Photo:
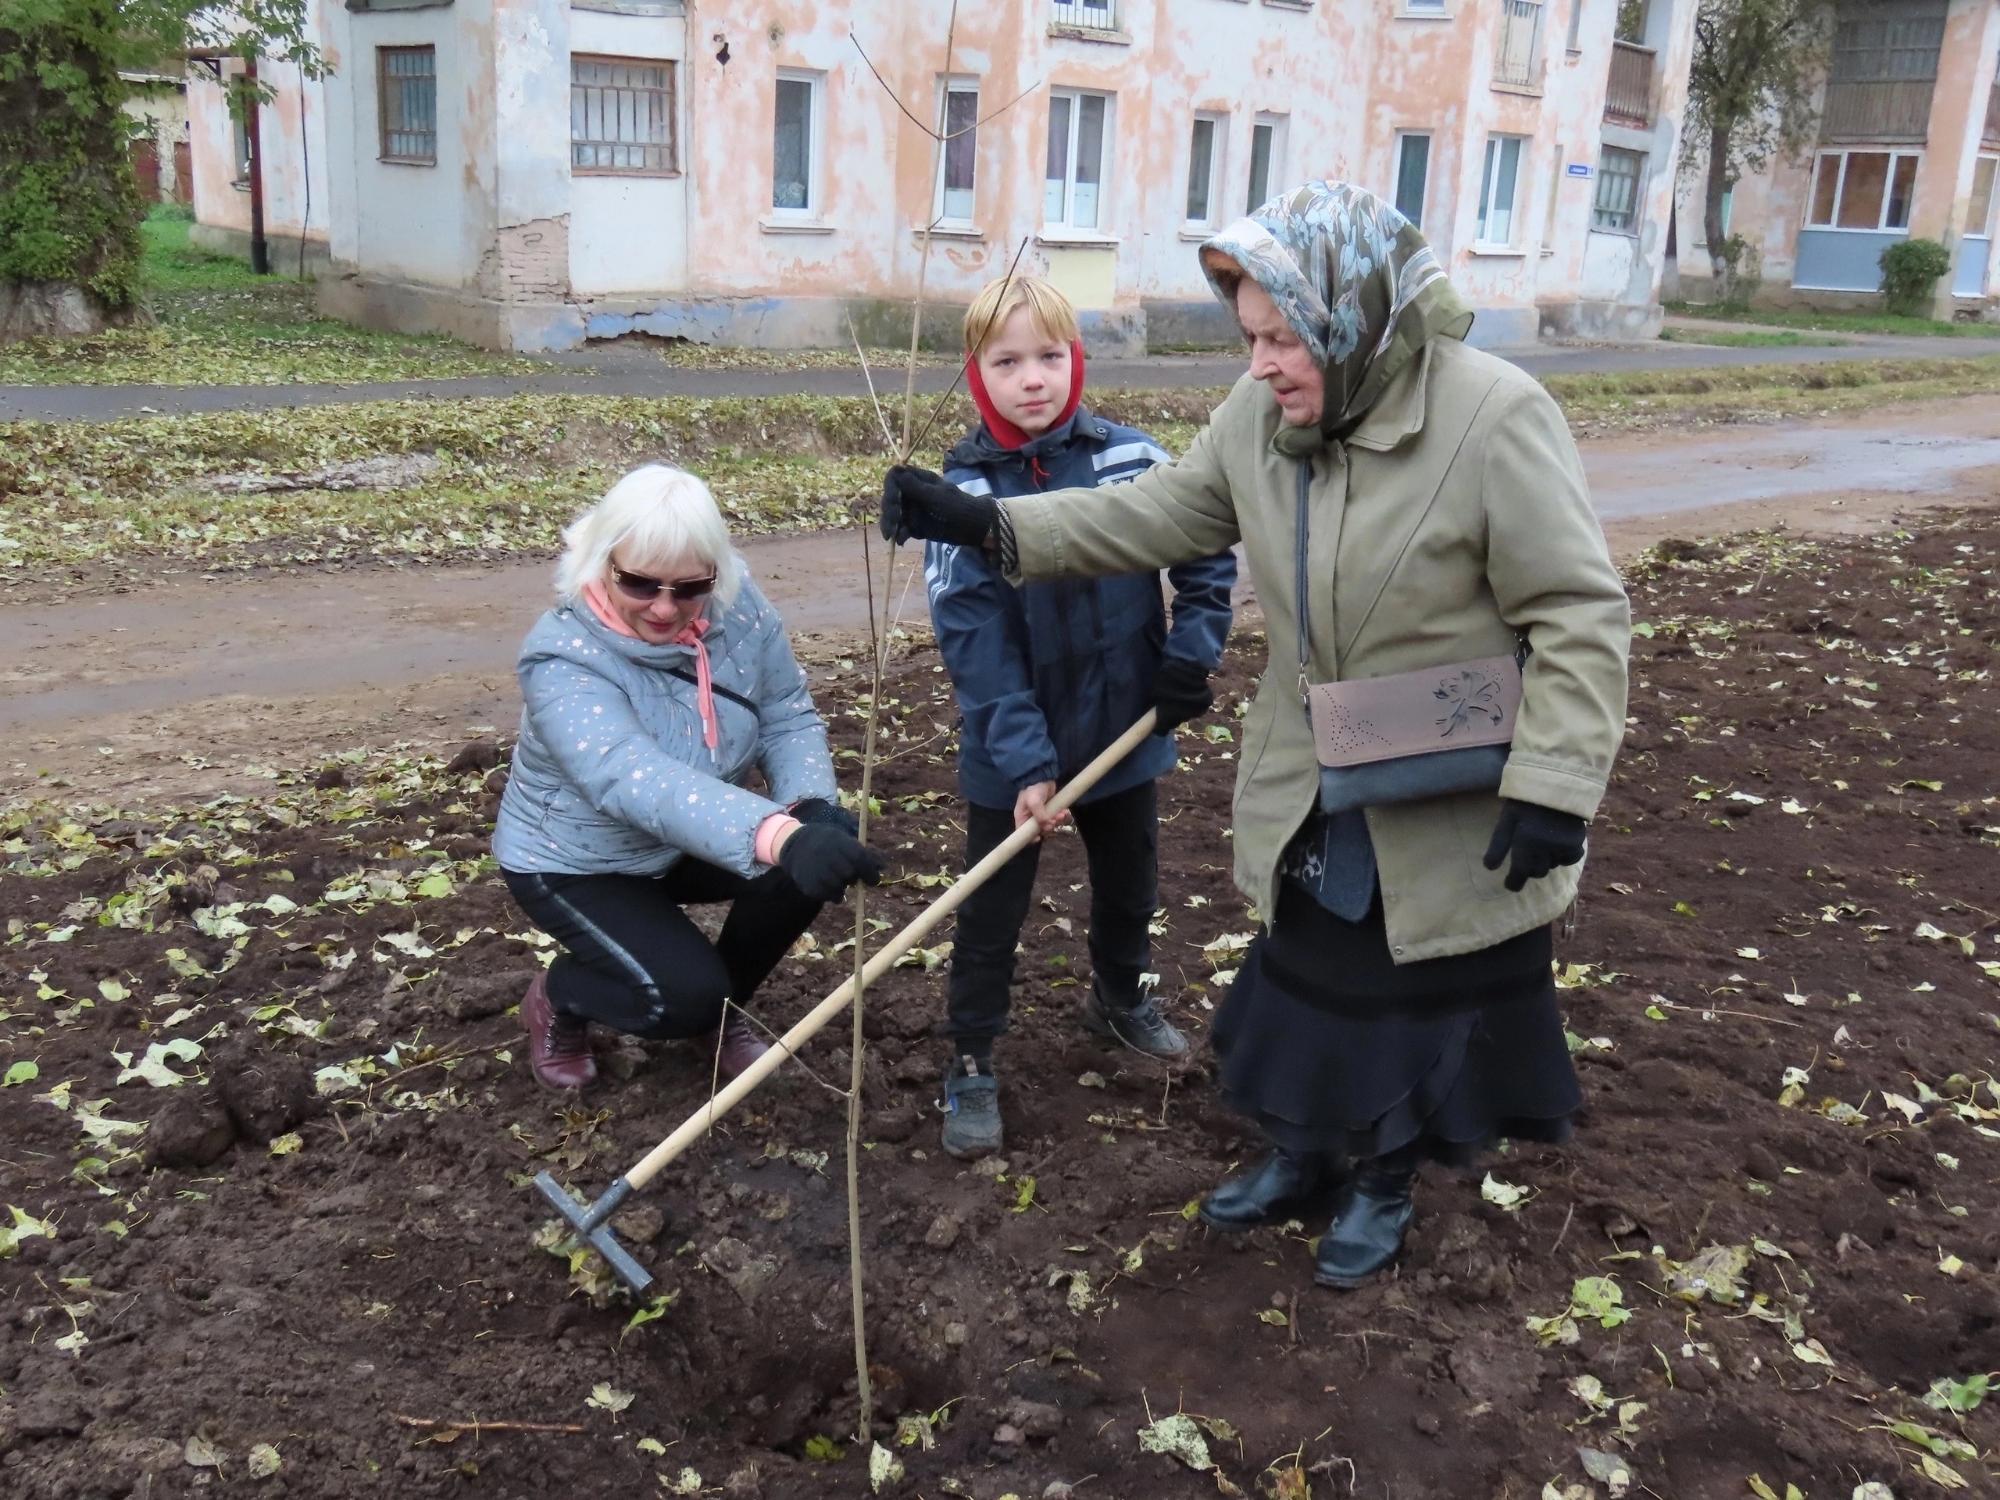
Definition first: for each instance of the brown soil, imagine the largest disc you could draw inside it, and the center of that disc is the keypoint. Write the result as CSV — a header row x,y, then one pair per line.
x,y
302,1268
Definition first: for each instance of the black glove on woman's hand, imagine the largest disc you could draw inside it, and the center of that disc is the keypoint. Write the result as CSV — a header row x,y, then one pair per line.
x,y
916,503
1180,692
822,862
1539,838
831,814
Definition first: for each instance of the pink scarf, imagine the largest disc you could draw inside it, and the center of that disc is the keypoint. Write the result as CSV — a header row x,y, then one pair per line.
x,y
600,605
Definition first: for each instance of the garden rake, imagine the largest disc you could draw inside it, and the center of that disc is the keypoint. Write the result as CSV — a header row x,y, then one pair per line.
x,y
592,1221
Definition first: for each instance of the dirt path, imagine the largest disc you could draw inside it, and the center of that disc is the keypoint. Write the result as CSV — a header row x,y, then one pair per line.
x,y
136,694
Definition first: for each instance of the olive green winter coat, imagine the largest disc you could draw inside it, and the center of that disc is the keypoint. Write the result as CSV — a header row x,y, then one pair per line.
x,y
1454,516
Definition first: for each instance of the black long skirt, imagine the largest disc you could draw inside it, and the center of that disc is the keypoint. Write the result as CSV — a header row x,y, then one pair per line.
x,y
1332,1047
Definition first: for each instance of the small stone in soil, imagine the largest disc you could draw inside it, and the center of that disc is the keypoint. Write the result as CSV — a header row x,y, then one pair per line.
x,y
955,1335
1034,1419
990,1166
943,1233
1428,1424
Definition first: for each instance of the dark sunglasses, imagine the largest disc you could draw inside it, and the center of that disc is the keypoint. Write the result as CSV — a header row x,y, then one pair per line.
x,y
639,586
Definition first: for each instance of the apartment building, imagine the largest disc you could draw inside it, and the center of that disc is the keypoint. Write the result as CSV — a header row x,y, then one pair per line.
x,y
535,174
1908,145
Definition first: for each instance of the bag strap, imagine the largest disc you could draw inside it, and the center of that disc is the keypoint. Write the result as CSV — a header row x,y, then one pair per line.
x,y
720,691
1301,601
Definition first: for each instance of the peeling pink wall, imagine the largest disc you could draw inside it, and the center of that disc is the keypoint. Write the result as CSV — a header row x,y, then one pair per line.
x,y
292,156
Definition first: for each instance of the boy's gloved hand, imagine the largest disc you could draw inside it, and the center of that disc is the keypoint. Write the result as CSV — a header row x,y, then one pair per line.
x,y
832,814
1180,692
823,861
1539,838
916,503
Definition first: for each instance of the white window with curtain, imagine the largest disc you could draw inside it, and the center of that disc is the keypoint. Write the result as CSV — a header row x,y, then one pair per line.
x,y
1869,191
1205,159
1621,175
1267,160
1499,192
1413,170
952,207
795,145
1073,184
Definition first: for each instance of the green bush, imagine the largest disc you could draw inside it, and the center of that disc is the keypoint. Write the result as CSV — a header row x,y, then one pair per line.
x,y
1910,272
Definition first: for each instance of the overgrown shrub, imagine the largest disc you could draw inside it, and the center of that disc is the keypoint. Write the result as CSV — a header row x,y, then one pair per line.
x,y
1910,272
1742,274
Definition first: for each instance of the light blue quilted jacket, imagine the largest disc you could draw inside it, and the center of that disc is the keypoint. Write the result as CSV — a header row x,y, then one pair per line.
x,y
610,775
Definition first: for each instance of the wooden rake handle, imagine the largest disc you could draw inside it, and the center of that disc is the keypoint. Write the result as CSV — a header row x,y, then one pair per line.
x,y
699,1123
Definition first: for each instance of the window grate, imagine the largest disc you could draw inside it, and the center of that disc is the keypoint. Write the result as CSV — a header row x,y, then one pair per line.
x,y
621,117
406,84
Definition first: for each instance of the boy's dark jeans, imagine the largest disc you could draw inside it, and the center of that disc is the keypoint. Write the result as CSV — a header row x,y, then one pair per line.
x,y
634,961
1121,840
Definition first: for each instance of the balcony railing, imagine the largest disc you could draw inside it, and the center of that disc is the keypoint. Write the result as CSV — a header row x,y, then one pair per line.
x,y
1878,112
1517,58
1628,96
1085,15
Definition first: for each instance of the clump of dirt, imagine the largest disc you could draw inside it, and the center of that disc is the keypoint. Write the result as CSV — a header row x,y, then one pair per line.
x,y
1771,1250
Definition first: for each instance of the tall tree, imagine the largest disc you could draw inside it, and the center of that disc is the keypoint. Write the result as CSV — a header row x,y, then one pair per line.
x,y
69,208
1751,89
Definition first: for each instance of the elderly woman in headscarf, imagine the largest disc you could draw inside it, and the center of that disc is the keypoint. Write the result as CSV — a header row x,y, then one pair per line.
x,y
1407,505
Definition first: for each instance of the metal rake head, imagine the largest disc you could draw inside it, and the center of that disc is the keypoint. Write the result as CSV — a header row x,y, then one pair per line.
x,y
592,1223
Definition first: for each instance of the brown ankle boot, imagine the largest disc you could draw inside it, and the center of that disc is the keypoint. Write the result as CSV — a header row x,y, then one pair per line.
x,y
740,1044
558,1045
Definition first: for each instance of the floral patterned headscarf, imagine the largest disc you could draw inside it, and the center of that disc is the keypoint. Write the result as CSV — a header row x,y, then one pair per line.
x,y
1355,279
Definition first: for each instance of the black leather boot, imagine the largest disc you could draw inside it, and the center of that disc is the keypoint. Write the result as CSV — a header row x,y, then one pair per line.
x,y
1368,1226
1284,1184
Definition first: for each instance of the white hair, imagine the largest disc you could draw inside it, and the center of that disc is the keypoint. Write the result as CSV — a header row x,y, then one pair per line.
x,y
660,515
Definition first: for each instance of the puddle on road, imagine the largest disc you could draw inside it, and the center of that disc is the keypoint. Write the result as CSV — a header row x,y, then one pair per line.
x,y
1778,464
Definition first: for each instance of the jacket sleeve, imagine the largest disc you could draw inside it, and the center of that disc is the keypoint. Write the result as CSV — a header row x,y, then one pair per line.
x,y
1201,608
597,741
1553,579
1172,513
983,639
791,736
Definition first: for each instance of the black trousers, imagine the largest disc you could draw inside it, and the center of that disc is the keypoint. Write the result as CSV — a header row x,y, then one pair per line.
x,y
1121,837
634,961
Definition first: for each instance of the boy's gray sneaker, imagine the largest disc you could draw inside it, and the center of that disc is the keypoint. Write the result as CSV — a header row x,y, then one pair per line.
x,y
971,1109
1140,1027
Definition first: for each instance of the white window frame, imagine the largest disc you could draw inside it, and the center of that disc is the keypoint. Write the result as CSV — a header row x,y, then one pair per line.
x,y
1429,138
1638,191
1984,231
946,88
1274,164
1495,143
1424,10
815,145
1065,224
1846,153
1218,157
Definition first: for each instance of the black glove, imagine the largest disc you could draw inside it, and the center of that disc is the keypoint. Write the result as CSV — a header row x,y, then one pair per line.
x,y
1180,692
822,861
830,814
1539,838
916,503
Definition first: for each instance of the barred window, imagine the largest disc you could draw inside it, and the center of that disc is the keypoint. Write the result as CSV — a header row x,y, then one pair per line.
x,y
621,116
406,86
1618,176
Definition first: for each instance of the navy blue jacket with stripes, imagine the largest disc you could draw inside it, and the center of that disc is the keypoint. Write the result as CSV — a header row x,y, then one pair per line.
x,y
1049,673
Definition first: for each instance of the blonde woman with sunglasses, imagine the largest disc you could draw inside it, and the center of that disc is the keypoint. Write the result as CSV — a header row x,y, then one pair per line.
x,y
657,684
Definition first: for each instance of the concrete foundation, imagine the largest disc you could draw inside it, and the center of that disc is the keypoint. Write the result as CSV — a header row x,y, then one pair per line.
x,y
546,325
1615,322
283,249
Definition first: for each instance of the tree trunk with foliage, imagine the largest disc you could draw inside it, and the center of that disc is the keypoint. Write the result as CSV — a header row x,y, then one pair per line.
x,y
1751,91
69,208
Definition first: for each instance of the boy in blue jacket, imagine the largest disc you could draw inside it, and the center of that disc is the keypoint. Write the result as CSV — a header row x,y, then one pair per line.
x,y
1048,674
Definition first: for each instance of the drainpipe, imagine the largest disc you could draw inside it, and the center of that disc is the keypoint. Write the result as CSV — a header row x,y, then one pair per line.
x,y
260,253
